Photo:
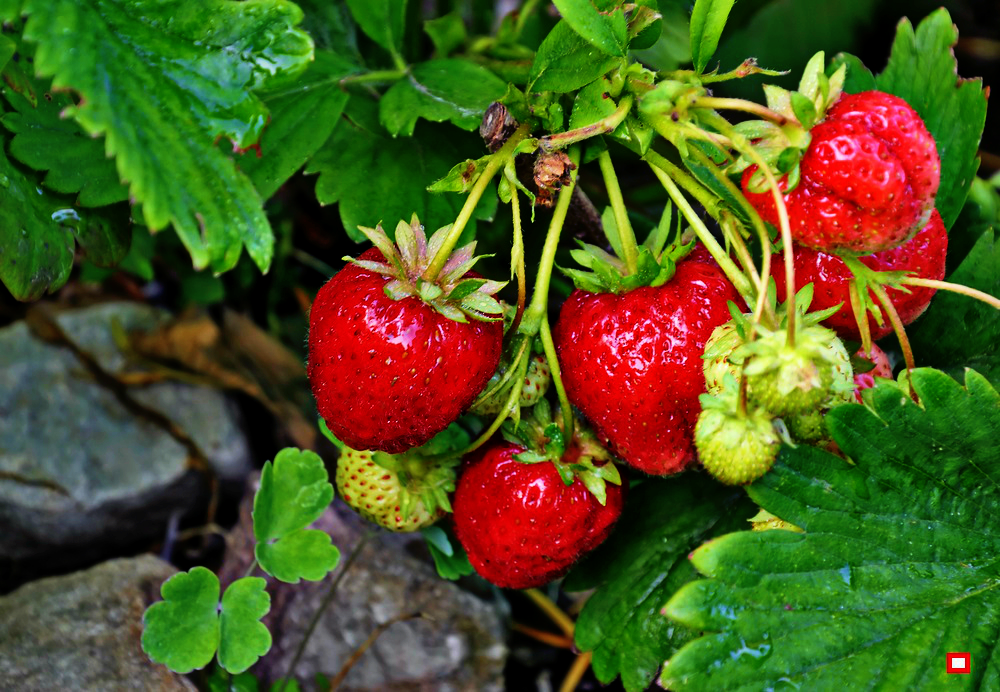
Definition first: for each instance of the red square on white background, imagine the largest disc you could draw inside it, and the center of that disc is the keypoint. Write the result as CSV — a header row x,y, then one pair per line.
x,y
958,662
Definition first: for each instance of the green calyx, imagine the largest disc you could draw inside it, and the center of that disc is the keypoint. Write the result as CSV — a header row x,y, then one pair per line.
x,y
452,294
427,473
604,272
736,447
581,457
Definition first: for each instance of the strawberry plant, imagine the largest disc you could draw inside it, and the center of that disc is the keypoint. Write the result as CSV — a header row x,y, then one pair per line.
x,y
681,249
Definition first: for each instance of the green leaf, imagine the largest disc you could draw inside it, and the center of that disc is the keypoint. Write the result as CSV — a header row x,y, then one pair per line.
x,y
293,492
182,630
708,19
896,566
382,20
607,31
450,89
956,329
303,116
221,681
377,178
303,554
592,103
664,521
565,62
243,638
37,232
859,78
450,559
75,162
447,33
163,96
922,70
673,47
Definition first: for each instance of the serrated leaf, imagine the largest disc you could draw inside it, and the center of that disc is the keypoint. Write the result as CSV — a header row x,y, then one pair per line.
x,y
162,98
75,163
621,622
37,233
447,33
375,177
922,70
182,630
450,89
607,31
303,554
293,492
956,329
565,62
384,21
896,566
708,19
243,638
461,177
303,115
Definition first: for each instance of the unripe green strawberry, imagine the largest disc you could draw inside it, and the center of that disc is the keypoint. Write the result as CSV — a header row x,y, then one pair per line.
x,y
535,385
791,380
737,448
377,494
718,363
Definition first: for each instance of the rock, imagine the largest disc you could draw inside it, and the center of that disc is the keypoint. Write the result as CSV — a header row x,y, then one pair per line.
x,y
82,631
457,642
85,475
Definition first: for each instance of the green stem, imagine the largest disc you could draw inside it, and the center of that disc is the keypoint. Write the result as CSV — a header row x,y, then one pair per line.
x,y
954,288
705,198
496,161
897,325
740,105
375,76
729,267
626,236
520,369
860,315
517,249
538,308
550,355
602,126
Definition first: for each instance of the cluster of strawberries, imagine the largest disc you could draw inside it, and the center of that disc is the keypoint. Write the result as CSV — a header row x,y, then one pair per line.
x,y
394,359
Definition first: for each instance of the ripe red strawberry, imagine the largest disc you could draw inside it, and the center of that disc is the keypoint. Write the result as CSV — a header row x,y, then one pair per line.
x,y
388,373
520,524
924,254
632,362
867,180
866,380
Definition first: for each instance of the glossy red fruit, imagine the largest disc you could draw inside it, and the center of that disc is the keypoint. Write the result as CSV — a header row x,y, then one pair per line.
x,y
924,254
389,374
866,380
520,524
868,179
632,363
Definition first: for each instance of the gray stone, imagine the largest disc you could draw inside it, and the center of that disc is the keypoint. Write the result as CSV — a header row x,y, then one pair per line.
x,y
83,474
82,631
456,643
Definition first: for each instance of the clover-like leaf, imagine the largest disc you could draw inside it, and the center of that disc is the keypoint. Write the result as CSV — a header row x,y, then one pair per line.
x,y
450,89
897,563
162,81
304,554
663,521
922,70
243,638
182,630
293,492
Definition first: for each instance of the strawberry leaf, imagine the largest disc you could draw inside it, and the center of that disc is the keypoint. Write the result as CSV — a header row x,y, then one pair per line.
x,y
565,62
303,115
708,19
384,21
621,623
956,330
451,89
896,566
450,559
858,78
243,638
607,31
162,81
182,630
922,70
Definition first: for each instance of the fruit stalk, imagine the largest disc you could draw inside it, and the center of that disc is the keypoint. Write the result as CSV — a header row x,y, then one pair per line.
x,y
517,255
626,236
602,126
954,288
713,103
496,161
897,325
861,315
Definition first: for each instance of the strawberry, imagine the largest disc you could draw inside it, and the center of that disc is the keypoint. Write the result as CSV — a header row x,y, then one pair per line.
x,y
632,362
924,255
883,369
736,447
377,495
867,179
392,358
521,523
536,383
